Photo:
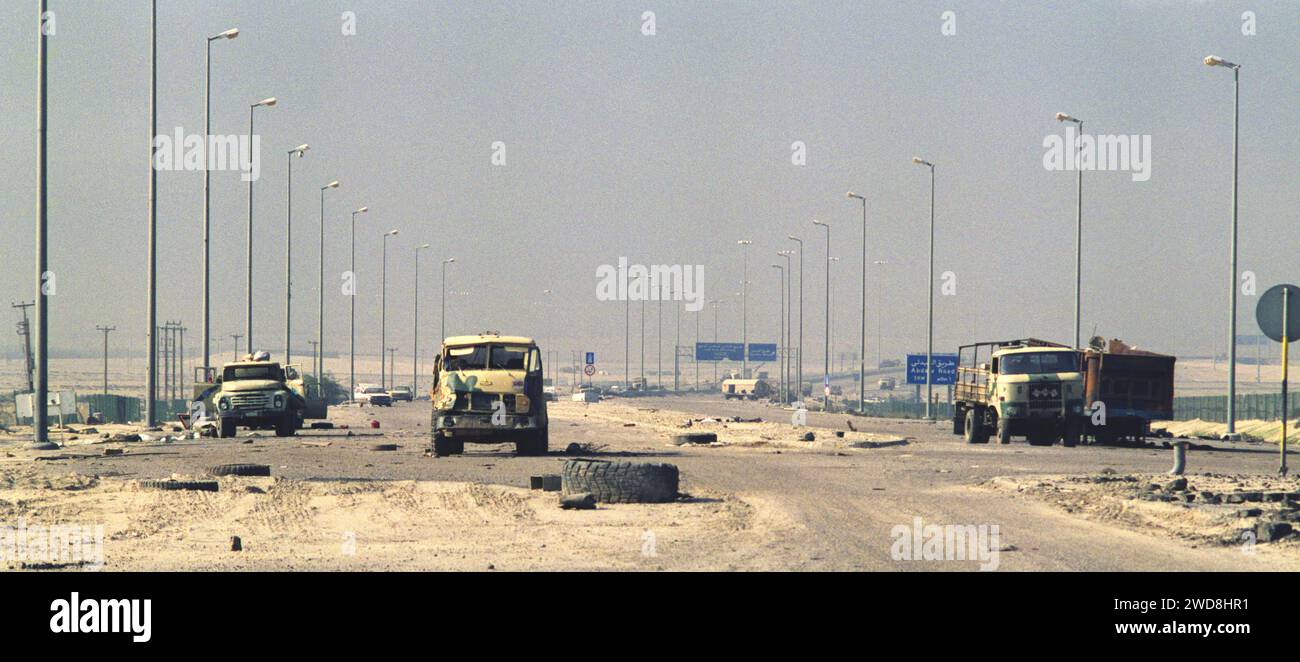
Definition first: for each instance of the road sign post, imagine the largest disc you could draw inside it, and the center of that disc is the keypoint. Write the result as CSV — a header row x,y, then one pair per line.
x,y
1278,315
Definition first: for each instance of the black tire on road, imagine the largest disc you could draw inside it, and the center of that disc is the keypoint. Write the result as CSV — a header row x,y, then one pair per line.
x,y
383,447
195,485
695,438
959,422
538,444
240,470
975,433
286,426
621,482
442,446
228,428
1004,431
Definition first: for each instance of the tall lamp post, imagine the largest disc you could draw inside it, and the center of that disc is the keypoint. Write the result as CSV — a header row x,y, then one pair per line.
x,y
826,366
789,320
442,316
799,363
1078,225
415,336
207,187
248,311
862,349
40,421
319,349
383,309
1216,61
288,257
744,307
929,333
352,314
781,333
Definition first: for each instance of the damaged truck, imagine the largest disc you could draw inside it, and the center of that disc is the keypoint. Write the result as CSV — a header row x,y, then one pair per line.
x,y
488,389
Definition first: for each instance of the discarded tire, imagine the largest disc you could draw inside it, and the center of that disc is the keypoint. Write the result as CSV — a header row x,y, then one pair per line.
x,y
383,447
239,470
695,438
195,485
621,482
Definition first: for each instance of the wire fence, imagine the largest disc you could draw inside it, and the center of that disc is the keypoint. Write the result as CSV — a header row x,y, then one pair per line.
x,y
1214,408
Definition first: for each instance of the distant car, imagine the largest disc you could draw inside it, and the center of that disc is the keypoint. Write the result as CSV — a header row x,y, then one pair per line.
x,y
371,394
402,393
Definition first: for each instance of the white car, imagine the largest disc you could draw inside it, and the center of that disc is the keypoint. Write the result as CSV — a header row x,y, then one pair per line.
x,y
372,394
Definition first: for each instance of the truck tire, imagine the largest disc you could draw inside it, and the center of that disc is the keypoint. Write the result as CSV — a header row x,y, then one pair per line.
x,y
975,433
443,446
1073,431
287,425
1004,431
959,422
171,485
536,444
228,428
621,482
240,470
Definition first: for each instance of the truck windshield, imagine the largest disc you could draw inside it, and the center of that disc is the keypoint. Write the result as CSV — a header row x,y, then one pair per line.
x,y
235,373
1039,362
466,358
507,357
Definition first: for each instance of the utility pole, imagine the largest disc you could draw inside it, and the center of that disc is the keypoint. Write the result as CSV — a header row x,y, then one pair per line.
x,y
40,422
392,362
25,330
236,336
106,330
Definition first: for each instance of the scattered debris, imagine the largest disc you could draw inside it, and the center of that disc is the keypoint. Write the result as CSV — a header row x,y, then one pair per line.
x,y
196,485
322,425
383,447
621,482
236,545
239,470
579,501
546,482
695,438
808,436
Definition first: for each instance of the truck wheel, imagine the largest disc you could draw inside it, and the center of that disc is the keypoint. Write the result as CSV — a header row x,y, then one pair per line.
x,y
975,433
537,444
442,446
1073,430
227,428
958,422
1004,431
286,426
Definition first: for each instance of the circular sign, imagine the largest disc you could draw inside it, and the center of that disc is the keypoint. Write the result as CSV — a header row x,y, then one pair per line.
x,y
1269,313
589,370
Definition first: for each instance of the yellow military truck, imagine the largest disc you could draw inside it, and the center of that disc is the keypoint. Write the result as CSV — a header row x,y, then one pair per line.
x,y
1030,388
253,393
488,389
741,389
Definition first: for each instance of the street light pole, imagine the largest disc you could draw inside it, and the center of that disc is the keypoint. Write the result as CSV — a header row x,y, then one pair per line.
x,y
799,377
383,309
443,286
929,334
744,309
788,373
40,421
781,316
826,365
248,313
207,188
1078,229
288,258
1215,61
352,324
862,349
415,336
319,349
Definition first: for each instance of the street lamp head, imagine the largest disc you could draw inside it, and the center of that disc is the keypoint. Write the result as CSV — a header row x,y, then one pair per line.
x,y
228,34
392,232
744,242
1063,117
424,246
1216,61
855,196
362,210
817,222
449,260
793,238
300,150
333,184
268,102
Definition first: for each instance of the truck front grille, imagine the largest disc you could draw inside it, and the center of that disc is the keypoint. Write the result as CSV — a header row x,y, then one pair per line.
x,y
250,401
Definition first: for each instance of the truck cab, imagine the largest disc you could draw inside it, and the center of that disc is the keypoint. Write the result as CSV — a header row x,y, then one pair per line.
x,y
255,393
488,388
1029,388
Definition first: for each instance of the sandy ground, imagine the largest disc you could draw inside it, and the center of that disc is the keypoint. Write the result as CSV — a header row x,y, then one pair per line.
x,y
759,499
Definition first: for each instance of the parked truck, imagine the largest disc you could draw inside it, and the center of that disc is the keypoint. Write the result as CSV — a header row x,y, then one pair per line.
x,y
1031,388
488,389
1124,390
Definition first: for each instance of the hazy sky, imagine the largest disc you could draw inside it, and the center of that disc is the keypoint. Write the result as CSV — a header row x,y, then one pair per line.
x,y
665,149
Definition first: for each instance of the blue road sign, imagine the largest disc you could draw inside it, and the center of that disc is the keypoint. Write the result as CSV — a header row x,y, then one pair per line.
x,y
944,369
591,358
719,351
762,351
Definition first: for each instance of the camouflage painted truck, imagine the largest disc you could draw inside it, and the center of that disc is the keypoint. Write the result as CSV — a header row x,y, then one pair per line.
x,y
488,389
255,392
1030,388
